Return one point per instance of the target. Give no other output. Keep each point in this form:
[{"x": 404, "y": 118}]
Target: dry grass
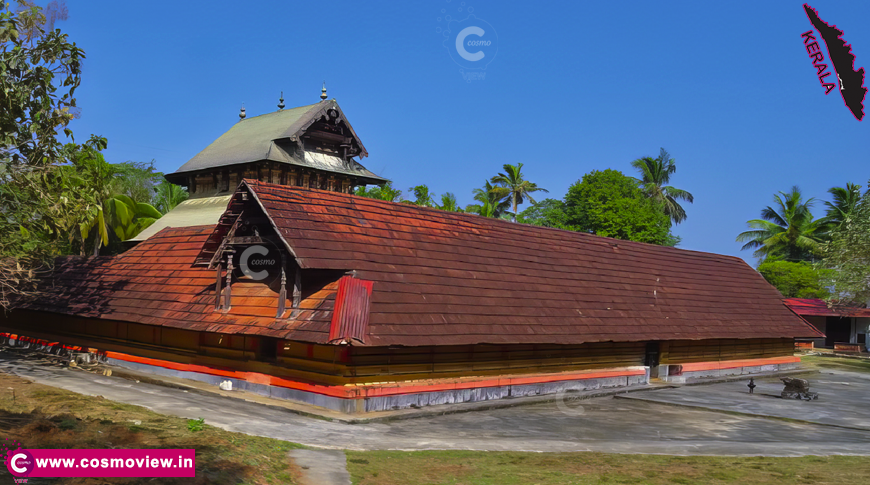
[{"x": 45, "y": 417}]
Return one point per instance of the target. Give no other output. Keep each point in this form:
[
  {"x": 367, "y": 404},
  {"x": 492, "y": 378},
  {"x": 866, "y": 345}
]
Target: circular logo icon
[
  {"x": 20, "y": 463},
  {"x": 472, "y": 42},
  {"x": 261, "y": 262},
  {"x": 569, "y": 404}
]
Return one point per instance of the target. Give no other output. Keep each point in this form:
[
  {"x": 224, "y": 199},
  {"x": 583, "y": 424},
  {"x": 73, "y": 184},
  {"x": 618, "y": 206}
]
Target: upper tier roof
[{"x": 272, "y": 137}]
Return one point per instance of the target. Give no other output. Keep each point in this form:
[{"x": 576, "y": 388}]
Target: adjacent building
[{"x": 843, "y": 326}]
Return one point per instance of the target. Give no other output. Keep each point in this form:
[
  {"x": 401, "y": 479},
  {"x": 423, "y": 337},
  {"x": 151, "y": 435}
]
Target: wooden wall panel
[{"x": 685, "y": 351}]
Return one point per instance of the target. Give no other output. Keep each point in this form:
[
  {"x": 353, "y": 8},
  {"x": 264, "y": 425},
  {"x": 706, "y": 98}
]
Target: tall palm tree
[
  {"x": 788, "y": 231},
  {"x": 845, "y": 200},
  {"x": 655, "y": 174},
  {"x": 493, "y": 201},
  {"x": 517, "y": 187}
]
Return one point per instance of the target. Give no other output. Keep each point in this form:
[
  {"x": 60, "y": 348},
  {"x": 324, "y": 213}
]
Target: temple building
[
  {"x": 310, "y": 146},
  {"x": 290, "y": 286}
]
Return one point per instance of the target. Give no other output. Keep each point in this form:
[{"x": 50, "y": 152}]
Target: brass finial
[
  {"x": 281, "y": 102},
  {"x": 242, "y": 113},
  {"x": 323, "y": 92}
]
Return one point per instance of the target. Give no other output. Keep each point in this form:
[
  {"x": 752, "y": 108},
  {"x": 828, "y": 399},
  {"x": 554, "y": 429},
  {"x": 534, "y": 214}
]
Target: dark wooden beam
[
  {"x": 228, "y": 296},
  {"x": 217, "y": 288},
  {"x": 297, "y": 288}
]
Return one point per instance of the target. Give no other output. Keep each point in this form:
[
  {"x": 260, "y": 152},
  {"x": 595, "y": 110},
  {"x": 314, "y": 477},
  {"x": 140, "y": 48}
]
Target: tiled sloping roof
[
  {"x": 814, "y": 307},
  {"x": 154, "y": 283},
  {"x": 447, "y": 278}
]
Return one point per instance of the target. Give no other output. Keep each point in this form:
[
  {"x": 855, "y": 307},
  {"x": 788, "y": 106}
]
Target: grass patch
[
  {"x": 835, "y": 363},
  {"x": 517, "y": 468},
  {"x": 46, "y": 417}
]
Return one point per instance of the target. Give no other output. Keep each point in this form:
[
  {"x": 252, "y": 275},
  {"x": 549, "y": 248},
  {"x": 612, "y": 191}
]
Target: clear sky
[{"x": 726, "y": 87}]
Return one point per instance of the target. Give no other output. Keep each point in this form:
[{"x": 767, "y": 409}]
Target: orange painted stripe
[
  {"x": 46, "y": 343},
  {"x": 731, "y": 364},
  {"x": 373, "y": 390}
]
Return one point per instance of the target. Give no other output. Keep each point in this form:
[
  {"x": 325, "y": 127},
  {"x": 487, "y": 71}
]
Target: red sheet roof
[
  {"x": 819, "y": 308},
  {"x": 439, "y": 278}
]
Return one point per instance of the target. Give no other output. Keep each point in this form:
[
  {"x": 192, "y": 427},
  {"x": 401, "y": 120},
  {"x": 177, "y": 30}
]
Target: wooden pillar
[
  {"x": 282, "y": 295},
  {"x": 217, "y": 288},
  {"x": 297, "y": 288},
  {"x": 228, "y": 296}
]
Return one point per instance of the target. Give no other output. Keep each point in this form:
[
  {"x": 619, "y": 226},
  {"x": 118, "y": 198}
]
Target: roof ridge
[{"x": 493, "y": 222}]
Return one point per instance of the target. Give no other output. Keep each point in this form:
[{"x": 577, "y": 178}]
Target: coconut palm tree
[
  {"x": 655, "y": 174},
  {"x": 168, "y": 195},
  {"x": 517, "y": 187},
  {"x": 787, "y": 231},
  {"x": 380, "y": 192},
  {"x": 493, "y": 201},
  {"x": 845, "y": 200}
]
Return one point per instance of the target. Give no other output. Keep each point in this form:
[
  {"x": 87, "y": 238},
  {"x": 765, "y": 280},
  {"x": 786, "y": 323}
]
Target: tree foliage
[
  {"x": 609, "y": 203},
  {"x": 655, "y": 174},
  {"x": 380, "y": 192},
  {"x": 39, "y": 72},
  {"x": 492, "y": 201},
  {"x": 517, "y": 187},
  {"x": 167, "y": 196},
  {"x": 845, "y": 201},
  {"x": 546, "y": 213},
  {"x": 448, "y": 203},
  {"x": 422, "y": 196},
  {"x": 785, "y": 231},
  {"x": 847, "y": 254},
  {"x": 795, "y": 279}
]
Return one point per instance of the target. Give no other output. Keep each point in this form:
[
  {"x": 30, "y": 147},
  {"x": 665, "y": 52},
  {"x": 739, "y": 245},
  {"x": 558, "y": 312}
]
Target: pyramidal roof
[{"x": 273, "y": 137}]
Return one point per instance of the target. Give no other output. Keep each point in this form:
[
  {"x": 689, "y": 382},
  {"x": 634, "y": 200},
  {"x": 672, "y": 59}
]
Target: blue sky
[{"x": 726, "y": 87}]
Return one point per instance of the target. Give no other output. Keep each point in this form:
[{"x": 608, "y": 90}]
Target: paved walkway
[
  {"x": 601, "y": 424},
  {"x": 322, "y": 467},
  {"x": 843, "y": 399}
]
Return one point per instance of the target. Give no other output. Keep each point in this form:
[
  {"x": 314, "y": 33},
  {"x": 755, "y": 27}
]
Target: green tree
[
  {"x": 655, "y": 174},
  {"x": 795, "y": 279},
  {"x": 785, "y": 231},
  {"x": 127, "y": 218},
  {"x": 168, "y": 195},
  {"x": 491, "y": 201},
  {"x": 448, "y": 203},
  {"x": 39, "y": 73},
  {"x": 847, "y": 254},
  {"x": 380, "y": 192},
  {"x": 609, "y": 203},
  {"x": 845, "y": 201},
  {"x": 137, "y": 180},
  {"x": 547, "y": 213},
  {"x": 518, "y": 188},
  {"x": 422, "y": 196},
  {"x": 40, "y": 70}
]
